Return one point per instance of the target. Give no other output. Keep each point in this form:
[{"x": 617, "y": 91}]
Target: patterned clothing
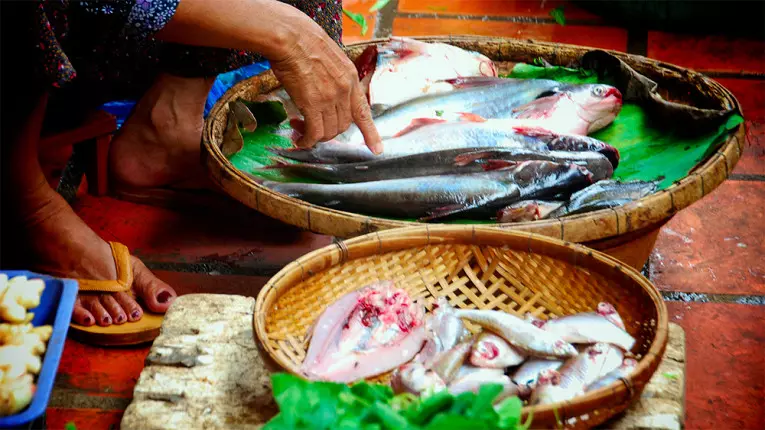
[{"x": 91, "y": 52}]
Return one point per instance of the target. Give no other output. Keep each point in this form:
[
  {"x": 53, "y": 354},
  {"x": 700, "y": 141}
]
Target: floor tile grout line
[
  {"x": 498, "y": 18},
  {"x": 384, "y": 22},
  {"x": 688, "y": 297},
  {"x": 746, "y": 177}
]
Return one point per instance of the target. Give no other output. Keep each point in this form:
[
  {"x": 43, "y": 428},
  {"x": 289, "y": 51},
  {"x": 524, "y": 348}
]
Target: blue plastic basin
[{"x": 55, "y": 309}]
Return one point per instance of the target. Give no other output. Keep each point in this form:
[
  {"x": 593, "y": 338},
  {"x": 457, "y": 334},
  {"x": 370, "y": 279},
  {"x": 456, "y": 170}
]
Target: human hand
[{"x": 324, "y": 84}]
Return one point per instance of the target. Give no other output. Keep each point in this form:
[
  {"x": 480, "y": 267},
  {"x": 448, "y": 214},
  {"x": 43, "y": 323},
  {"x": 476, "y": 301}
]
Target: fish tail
[
  {"x": 534, "y": 131},
  {"x": 297, "y": 154}
]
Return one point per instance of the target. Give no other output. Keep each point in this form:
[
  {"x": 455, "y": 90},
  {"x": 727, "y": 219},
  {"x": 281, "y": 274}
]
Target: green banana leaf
[{"x": 647, "y": 153}]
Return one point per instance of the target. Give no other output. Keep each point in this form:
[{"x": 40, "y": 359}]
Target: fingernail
[
  {"x": 136, "y": 313},
  {"x": 163, "y": 297}
]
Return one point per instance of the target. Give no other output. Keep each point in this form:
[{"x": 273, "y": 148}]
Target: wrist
[{"x": 283, "y": 31}]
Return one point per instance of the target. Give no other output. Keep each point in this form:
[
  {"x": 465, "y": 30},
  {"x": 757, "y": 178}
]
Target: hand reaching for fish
[{"x": 323, "y": 84}]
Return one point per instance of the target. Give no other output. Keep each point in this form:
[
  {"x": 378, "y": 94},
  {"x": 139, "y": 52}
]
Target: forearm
[{"x": 268, "y": 27}]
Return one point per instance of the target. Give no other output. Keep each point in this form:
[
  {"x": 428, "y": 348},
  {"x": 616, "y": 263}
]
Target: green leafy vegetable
[
  {"x": 70, "y": 426},
  {"x": 379, "y": 5},
  {"x": 558, "y": 15},
  {"x": 324, "y": 405},
  {"x": 358, "y": 19}
]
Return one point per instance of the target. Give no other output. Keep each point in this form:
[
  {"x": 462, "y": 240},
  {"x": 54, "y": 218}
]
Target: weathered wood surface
[{"x": 205, "y": 370}]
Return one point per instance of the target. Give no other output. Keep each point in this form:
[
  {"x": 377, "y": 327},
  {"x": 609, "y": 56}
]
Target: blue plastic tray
[{"x": 55, "y": 309}]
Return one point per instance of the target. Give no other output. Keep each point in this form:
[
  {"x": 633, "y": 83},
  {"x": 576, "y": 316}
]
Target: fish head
[
  {"x": 484, "y": 352},
  {"x": 573, "y": 142},
  {"x": 605, "y": 309},
  {"x": 597, "y": 104},
  {"x": 528, "y": 211},
  {"x": 564, "y": 349},
  {"x": 549, "y": 377}
]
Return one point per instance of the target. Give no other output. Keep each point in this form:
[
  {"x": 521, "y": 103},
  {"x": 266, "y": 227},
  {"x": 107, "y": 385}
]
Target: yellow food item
[
  {"x": 15, "y": 360},
  {"x": 35, "y": 338},
  {"x": 18, "y": 295},
  {"x": 16, "y": 394}
]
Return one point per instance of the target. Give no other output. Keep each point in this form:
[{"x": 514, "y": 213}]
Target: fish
[
  {"x": 485, "y": 97},
  {"x": 444, "y": 195},
  {"x": 576, "y": 374},
  {"x": 609, "y": 312},
  {"x": 492, "y": 351},
  {"x": 623, "y": 371},
  {"x": 473, "y": 381},
  {"x": 589, "y": 327},
  {"x": 449, "y": 363},
  {"x": 441, "y": 162},
  {"x": 576, "y": 109},
  {"x": 415, "y": 378},
  {"x": 522, "y": 335},
  {"x": 528, "y": 373},
  {"x": 527, "y": 210},
  {"x": 561, "y": 141},
  {"x": 605, "y": 194},
  {"x": 365, "y": 333},
  {"x": 444, "y": 332},
  {"x": 407, "y": 68},
  {"x": 467, "y": 369}
]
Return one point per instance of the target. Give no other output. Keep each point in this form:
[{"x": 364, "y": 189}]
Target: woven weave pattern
[{"x": 482, "y": 277}]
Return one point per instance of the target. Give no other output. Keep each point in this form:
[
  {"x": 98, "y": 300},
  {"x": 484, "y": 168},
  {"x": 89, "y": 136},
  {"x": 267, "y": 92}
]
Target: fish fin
[
  {"x": 470, "y": 117},
  {"x": 473, "y": 81},
  {"x": 534, "y": 131},
  {"x": 445, "y": 211},
  {"x": 539, "y": 108},
  {"x": 279, "y": 162},
  {"x": 489, "y": 165},
  {"x": 418, "y": 123},
  {"x": 297, "y": 154},
  {"x": 470, "y": 157}
]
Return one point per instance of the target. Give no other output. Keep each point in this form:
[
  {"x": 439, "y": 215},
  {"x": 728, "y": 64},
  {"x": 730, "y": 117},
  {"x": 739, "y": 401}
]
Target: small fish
[
  {"x": 530, "y": 318},
  {"x": 528, "y": 373},
  {"x": 563, "y": 141},
  {"x": 577, "y": 109},
  {"x": 589, "y": 327},
  {"x": 527, "y": 210},
  {"x": 628, "y": 365},
  {"x": 467, "y": 369},
  {"x": 407, "y": 68},
  {"x": 444, "y": 331},
  {"x": 492, "y": 351},
  {"x": 449, "y": 363},
  {"x": 609, "y": 312},
  {"x": 605, "y": 194},
  {"x": 472, "y": 382},
  {"x": 415, "y": 378},
  {"x": 576, "y": 374},
  {"x": 519, "y": 333},
  {"x": 369, "y": 332}
]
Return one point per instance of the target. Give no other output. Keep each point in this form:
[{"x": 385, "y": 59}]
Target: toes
[
  {"x": 130, "y": 306},
  {"x": 82, "y": 316},
  {"x": 92, "y": 304},
  {"x": 113, "y": 308},
  {"x": 156, "y": 294}
]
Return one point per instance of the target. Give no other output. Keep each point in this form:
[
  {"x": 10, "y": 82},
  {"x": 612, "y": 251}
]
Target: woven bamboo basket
[
  {"x": 628, "y": 232},
  {"x": 474, "y": 267}
]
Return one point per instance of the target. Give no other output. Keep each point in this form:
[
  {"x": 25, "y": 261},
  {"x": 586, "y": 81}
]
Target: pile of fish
[
  {"x": 460, "y": 141},
  {"x": 379, "y": 328}
]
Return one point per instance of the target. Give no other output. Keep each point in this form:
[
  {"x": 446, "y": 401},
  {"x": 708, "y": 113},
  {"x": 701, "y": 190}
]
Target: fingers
[
  {"x": 362, "y": 116},
  {"x": 157, "y": 295},
  {"x": 313, "y": 130},
  {"x": 82, "y": 316},
  {"x": 115, "y": 310},
  {"x": 94, "y": 306},
  {"x": 344, "y": 117},
  {"x": 330, "y": 123},
  {"x": 130, "y": 306}
]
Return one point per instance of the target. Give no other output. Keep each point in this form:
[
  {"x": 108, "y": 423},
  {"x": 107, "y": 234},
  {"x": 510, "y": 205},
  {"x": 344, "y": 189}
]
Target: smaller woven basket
[{"x": 479, "y": 268}]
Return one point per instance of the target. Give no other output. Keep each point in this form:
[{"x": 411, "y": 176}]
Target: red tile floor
[{"x": 709, "y": 260}]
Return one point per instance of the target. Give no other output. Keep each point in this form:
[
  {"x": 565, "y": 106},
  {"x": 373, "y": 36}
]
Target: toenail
[
  {"x": 88, "y": 321},
  {"x": 135, "y": 314},
  {"x": 107, "y": 320},
  {"x": 163, "y": 297},
  {"x": 120, "y": 318}
]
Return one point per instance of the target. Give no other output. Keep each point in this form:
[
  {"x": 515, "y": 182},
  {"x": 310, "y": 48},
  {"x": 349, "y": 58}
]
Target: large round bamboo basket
[
  {"x": 628, "y": 232},
  {"x": 474, "y": 267}
]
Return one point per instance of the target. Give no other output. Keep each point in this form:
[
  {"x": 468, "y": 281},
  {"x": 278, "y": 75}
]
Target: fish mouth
[{"x": 615, "y": 93}]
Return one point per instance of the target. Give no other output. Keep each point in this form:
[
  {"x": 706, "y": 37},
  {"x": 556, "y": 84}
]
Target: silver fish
[
  {"x": 609, "y": 311},
  {"x": 444, "y": 331},
  {"x": 519, "y": 333},
  {"x": 494, "y": 352},
  {"x": 449, "y": 363},
  {"x": 528, "y": 373},
  {"x": 415, "y": 378},
  {"x": 439, "y": 196},
  {"x": 628, "y": 365},
  {"x": 605, "y": 194},
  {"x": 486, "y": 97},
  {"x": 472, "y": 382},
  {"x": 572, "y": 379},
  {"x": 527, "y": 210},
  {"x": 589, "y": 327}
]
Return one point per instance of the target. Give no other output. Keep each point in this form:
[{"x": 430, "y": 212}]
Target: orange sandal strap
[{"x": 124, "y": 281}]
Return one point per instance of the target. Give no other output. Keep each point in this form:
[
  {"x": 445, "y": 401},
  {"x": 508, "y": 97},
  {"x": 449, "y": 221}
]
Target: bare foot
[
  {"x": 160, "y": 142},
  {"x": 61, "y": 244}
]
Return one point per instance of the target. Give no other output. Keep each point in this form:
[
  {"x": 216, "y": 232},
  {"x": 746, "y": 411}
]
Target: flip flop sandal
[{"x": 130, "y": 333}]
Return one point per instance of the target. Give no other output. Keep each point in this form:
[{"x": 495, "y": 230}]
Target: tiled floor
[{"x": 715, "y": 248}]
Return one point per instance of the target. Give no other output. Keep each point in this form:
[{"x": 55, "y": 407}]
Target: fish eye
[{"x": 598, "y": 91}]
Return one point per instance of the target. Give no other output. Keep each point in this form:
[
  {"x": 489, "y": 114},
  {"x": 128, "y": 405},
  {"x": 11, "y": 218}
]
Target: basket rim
[
  {"x": 587, "y": 227},
  {"x": 615, "y": 394}
]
